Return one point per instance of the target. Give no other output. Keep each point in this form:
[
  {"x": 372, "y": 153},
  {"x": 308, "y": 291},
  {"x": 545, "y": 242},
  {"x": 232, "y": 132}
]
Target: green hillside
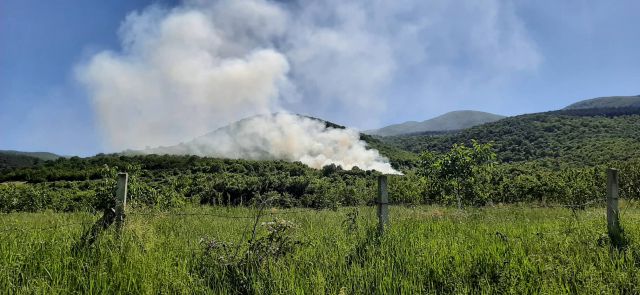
[
  {"x": 40, "y": 155},
  {"x": 552, "y": 136},
  {"x": 607, "y": 102},
  {"x": 455, "y": 120},
  {"x": 16, "y": 159}
]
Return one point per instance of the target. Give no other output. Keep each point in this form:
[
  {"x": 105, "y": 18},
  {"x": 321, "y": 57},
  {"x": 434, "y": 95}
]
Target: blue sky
[{"x": 558, "y": 52}]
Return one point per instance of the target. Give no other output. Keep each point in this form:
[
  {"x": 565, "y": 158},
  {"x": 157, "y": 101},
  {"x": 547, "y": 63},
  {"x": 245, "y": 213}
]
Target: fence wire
[
  {"x": 265, "y": 213},
  {"x": 527, "y": 205},
  {"x": 627, "y": 205},
  {"x": 47, "y": 228},
  {"x": 58, "y": 226},
  {"x": 572, "y": 206}
]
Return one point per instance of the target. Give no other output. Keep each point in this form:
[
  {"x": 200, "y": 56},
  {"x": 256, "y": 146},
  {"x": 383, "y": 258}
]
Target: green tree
[{"x": 464, "y": 169}]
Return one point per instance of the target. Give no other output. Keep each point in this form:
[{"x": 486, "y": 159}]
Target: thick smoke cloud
[
  {"x": 179, "y": 77},
  {"x": 288, "y": 137},
  {"x": 187, "y": 70}
]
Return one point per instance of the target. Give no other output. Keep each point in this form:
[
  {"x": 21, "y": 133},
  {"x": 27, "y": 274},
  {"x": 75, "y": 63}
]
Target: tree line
[{"x": 465, "y": 175}]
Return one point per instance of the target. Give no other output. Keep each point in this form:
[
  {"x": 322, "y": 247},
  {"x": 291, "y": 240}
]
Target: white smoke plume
[
  {"x": 285, "y": 136},
  {"x": 179, "y": 77},
  {"x": 187, "y": 70},
  {"x": 181, "y": 74}
]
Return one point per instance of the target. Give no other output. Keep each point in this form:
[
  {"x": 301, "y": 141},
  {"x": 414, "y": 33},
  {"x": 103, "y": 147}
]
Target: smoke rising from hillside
[
  {"x": 181, "y": 74},
  {"x": 187, "y": 70},
  {"x": 179, "y": 77},
  {"x": 285, "y": 136}
]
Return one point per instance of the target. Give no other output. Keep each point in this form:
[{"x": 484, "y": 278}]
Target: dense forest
[
  {"x": 12, "y": 159},
  {"x": 573, "y": 137}
]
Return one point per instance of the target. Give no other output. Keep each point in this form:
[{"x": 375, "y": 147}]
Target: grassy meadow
[{"x": 426, "y": 249}]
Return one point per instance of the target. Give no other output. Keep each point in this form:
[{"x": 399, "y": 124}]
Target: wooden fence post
[
  {"x": 383, "y": 203},
  {"x": 121, "y": 198},
  {"x": 613, "y": 218}
]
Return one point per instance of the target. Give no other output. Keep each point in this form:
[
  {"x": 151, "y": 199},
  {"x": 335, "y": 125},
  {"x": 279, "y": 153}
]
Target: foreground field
[{"x": 425, "y": 250}]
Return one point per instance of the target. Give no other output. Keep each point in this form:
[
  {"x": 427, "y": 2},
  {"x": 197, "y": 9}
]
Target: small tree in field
[{"x": 463, "y": 168}]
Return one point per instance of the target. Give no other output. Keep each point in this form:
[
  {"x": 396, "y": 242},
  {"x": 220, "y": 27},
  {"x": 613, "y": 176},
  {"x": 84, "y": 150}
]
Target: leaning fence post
[
  {"x": 121, "y": 198},
  {"x": 383, "y": 203},
  {"x": 613, "y": 218}
]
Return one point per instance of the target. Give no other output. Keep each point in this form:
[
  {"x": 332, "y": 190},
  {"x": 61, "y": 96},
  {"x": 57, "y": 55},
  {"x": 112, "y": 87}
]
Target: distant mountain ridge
[
  {"x": 606, "y": 102},
  {"x": 455, "y": 120}
]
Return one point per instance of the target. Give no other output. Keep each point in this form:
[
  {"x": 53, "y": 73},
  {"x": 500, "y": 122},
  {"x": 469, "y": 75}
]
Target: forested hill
[
  {"x": 607, "y": 102},
  {"x": 398, "y": 158},
  {"x": 578, "y": 138},
  {"x": 16, "y": 159},
  {"x": 45, "y": 156},
  {"x": 455, "y": 120}
]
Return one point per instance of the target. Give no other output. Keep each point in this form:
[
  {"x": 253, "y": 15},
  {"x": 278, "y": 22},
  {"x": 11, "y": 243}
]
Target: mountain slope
[
  {"x": 16, "y": 159},
  {"x": 552, "y": 136},
  {"x": 455, "y": 120},
  {"x": 607, "y": 102},
  {"x": 290, "y": 137},
  {"x": 45, "y": 156}
]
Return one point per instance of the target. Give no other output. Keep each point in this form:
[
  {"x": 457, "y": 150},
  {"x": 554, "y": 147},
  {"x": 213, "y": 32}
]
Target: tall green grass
[{"x": 435, "y": 250}]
